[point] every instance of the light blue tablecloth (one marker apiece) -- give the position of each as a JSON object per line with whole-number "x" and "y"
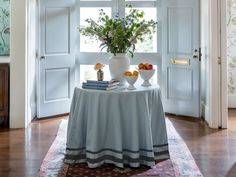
{"x": 118, "y": 127}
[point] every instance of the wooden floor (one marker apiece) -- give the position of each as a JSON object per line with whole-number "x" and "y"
{"x": 22, "y": 151}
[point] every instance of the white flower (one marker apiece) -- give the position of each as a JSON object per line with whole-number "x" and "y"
{"x": 102, "y": 39}
{"x": 110, "y": 34}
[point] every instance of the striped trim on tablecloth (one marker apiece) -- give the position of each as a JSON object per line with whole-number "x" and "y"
{"x": 116, "y": 157}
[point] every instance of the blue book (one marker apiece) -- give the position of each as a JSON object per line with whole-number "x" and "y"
{"x": 102, "y": 82}
{"x": 98, "y": 88}
{"x": 94, "y": 85}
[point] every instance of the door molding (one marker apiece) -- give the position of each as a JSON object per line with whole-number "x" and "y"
{"x": 217, "y": 77}
{"x": 224, "y": 64}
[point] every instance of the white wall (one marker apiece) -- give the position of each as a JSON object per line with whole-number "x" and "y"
{"x": 22, "y": 63}
{"x": 231, "y": 53}
{"x": 18, "y": 62}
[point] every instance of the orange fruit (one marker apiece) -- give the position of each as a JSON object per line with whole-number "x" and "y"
{"x": 140, "y": 66}
{"x": 128, "y": 73}
{"x": 135, "y": 73}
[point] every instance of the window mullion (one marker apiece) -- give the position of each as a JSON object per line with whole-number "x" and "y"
{"x": 121, "y": 8}
{"x": 118, "y": 8}
{"x": 142, "y": 3}
{"x": 114, "y": 8}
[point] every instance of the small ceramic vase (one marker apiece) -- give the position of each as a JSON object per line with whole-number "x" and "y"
{"x": 100, "y": 75}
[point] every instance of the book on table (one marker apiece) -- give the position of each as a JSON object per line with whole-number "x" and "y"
{"x": 100, "y": 85}
{"x": 99, "y": 88}
{"x": 102, "y": 82}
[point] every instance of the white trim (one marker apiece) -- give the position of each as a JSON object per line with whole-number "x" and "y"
{"x": 18, "y": 64}
{"x": 31, "y": 62}
{"x": 218, "y": 113}
{"x": 95, "y": 3}
{"x": 213, "y": 77}
{"x": 224, "y": 68}
{"x": 205, "y": 111}
{"x": 4, "y": 59}
{"x": 142, "y": 3}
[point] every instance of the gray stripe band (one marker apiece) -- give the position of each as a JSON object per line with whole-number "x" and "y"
{"x": 109, "y": 157}
{"x": 107, "y": 149}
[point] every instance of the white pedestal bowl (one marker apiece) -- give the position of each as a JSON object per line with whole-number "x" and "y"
{"x": 146, "y": 75}
{"x": 131, "y": 81}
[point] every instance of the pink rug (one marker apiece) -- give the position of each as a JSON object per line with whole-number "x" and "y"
{"x": 180, "y": 164}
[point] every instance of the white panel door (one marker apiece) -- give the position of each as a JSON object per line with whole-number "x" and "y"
{"x": 56, "y": 73}
{"x": 181, "y": 88}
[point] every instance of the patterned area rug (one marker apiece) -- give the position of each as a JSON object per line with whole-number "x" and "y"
{"x": 181, "y": 163}
{"x": 163, "y": 169}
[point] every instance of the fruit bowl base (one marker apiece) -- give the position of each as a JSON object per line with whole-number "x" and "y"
{"x": 131, "y": 87}
{"x": 146, "y": 83}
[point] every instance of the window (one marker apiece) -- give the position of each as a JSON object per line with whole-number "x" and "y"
{"x": 87, "y": 44}
{"x": 87, "y": 73}
{"x": 89, "y": 52}
{"x": 149, "y": 45}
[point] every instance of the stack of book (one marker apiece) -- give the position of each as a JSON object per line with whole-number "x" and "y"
{"x": 100, "y": 85}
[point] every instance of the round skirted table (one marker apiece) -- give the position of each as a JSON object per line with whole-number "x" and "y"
{"x": 121, "y": 127}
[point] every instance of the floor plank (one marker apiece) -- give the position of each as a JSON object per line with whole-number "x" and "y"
{"x": 22, "y": 151}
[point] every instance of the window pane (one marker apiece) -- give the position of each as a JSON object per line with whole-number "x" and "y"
{"x": 95, "y": 0}
{"x": 148, "y": 45}
{"x": 86, "y": 43}
{"x": 140, "y": 0}
{"x": 88, "y": 73}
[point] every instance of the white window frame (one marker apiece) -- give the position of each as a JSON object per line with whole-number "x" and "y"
{"x": 118, "y": 6}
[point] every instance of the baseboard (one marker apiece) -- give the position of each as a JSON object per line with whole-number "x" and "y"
{"x": 33, "y": 110}
{"x": 205, "y": 112}
{"x": 232, "y": 101}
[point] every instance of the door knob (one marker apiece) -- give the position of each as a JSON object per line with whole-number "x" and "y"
{"x": 42, "y": 58}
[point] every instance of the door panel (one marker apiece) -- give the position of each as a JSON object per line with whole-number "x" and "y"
{"x": 57, "y": 57}
{"x": 175, "y": 88}
{"x": 180, "y": 30}
{"x": 57, "y": 91}
{"x": 180, "y": 70}
{"x": 55, "y": 33}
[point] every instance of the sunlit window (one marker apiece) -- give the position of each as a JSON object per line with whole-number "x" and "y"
{"x": 148, "y": 45}
{"x": 140, "y": 0}
{"x": 86, "y": 43}
{"x": 87, "y": 72}
{"x": 96, "y": 0}
{"x": 89, "y": 51}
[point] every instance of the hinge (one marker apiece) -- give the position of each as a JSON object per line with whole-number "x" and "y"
{"x": 200, "y": 54}
{"x": 36, "y": 53}
{"x": 219, "y": 61}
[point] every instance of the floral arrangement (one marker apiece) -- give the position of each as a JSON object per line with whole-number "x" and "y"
{"x": 119, "y": 35}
